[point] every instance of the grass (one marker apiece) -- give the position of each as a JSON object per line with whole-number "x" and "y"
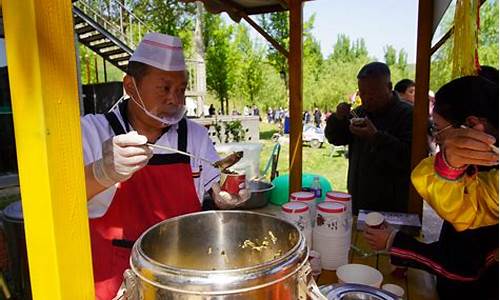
{"x": 316, "y": 161}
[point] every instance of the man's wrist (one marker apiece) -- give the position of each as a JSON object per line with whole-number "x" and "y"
{"x": 100, "y": 174}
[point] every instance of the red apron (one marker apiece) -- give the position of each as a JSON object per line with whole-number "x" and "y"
{"x": 163, "y": 189}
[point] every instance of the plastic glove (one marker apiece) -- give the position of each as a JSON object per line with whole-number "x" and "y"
{"x": 224, "y": 200}
{"x": 122, "y": 156}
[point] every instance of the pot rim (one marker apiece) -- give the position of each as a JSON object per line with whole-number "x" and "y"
{"x": 201, "y": 272}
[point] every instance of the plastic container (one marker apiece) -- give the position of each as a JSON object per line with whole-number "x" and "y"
{"x": 250, "y": 161}
{"x": 345, "y": 199}
{"x": 298, "y": 213}
{"x": 316, "y": 188}
{"x": 280, "y": 193}
{"x": 309, "y": 199}
{"x": 331, "y": 235}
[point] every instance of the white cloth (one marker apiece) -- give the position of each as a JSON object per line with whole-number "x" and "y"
{"x": 161, "y": 51}
{"x": 96, "y": 130}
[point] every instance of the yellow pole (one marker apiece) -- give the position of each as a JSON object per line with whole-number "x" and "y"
{"x": 42, "y": 72}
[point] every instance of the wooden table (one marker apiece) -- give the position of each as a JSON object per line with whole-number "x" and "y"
{"x": 418, "y": 284}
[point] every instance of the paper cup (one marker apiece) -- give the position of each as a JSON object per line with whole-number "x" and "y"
{"x": 233, "y": 183}
{"x": 374, "y": 219}
{"x": 361, "y": 274}
{"x": 395, "y": 289}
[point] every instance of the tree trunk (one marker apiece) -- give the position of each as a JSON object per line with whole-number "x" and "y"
{"x": 221, "y": 105}
{"x": 227, "y": 105}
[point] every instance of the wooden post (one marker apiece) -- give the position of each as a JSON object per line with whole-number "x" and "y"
{"x": 43, "y": 84}
{"x": 295, "y": 70}
{"x": 421, "y": 108}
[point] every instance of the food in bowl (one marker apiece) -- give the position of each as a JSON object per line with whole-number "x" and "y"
{"x": 360, "y": 274}
{"x": 358, "y": 122}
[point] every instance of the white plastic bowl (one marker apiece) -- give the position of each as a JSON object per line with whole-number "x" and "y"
{"x": 361, "y": 274}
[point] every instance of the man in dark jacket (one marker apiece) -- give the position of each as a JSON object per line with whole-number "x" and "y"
{"x": 379, "y": 139}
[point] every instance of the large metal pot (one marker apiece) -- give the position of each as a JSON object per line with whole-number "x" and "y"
{"x": 202, "y": 256}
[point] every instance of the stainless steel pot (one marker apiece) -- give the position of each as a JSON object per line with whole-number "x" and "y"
{"x": 203, "y": 256}
{"x": 261, "y": 194}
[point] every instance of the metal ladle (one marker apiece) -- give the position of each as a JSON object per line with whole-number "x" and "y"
{"x": 222, "y": 164}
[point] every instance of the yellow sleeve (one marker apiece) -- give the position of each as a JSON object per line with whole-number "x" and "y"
{"x": 468, "y": 202}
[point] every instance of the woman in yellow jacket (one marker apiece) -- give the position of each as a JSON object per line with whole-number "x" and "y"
{"x": 461, "y": 184}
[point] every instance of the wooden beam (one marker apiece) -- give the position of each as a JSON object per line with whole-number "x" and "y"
{"x": 269, "y": 38}
{"x": 295, "y": 70}
{"x": 265, "y": 9}
{"x": 421, "y": 107}
{"x": 443, "y": 40}
{"x": 42, "y": 73}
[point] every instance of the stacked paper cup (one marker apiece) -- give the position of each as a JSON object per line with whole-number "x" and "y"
{"x": 307, "y": 198}
{"x": 298, "y": 213}
{"x": 345, "y": 199}
{"x": 331, "y": 236}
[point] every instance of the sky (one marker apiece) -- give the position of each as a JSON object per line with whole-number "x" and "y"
{"x": 379, "y": 22}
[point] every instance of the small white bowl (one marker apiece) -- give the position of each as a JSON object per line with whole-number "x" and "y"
{"x": 361, "y": 274}
{"x": 395, "y": 289}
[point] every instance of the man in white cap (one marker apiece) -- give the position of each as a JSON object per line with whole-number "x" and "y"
{"x": 131, "y": 187}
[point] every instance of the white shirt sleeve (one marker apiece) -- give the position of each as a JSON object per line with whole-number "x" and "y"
{"x": 96, "y": 130}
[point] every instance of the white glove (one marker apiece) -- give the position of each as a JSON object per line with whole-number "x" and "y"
{"x": 122, "y": 156}
{"x": 227, "y": 201}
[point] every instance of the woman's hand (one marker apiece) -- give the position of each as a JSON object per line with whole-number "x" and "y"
{"x": 468, "y": 146}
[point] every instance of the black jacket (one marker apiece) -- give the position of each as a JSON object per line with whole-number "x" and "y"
{"x": 379, "y": 170}
{"x": 465, "y": 262}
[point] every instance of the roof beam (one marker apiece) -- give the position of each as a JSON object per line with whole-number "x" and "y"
{"x": 268, "y": 37}
{"x": 234, "y": 7}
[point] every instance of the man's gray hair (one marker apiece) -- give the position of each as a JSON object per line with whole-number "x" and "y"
{"x": 374, "y": 70}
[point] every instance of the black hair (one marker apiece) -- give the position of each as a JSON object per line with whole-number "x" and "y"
{"x": 403, "y": 85}
{"x": 468, "y": 96}
{"x": 137, "y": 70}
{"x": 490, "y": 73}
{"x": 373, "y": 70}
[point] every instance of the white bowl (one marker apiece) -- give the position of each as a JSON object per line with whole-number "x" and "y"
{"x": 361, "y": 274}
{"x": 394, "y": 288}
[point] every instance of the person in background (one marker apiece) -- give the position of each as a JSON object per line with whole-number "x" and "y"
{"x": 211, "y": 110}
{"x": 317, "y": 117}
{"x": 406, "y": 90}
{"x": 461, "y": 184}
{"x": 379, "y": 140}
{"x": 307, "y": 117}
{"x": 131, "y": 186}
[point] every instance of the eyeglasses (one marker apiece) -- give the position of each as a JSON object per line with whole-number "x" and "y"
{"x": 436, "y": 131}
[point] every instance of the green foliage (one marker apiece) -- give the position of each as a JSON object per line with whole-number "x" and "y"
{"x": 249, "y": 57}
{"x": 390, "y": 55}
{"x": 167, "y": 16}
{"x": 487, "y": 49}
{"x": 219, "y": 58}
{"x": 233, "y": 131}
{"x": 277, "y": 25}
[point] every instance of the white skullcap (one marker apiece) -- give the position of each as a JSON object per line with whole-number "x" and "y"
{"x": 160, "y": 51}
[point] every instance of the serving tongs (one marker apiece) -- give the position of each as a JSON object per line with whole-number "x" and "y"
{"x": 221, "y": 164}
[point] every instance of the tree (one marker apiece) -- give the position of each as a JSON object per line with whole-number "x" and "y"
{"x": 487, "y": 48}
{"x": 220, "y": 75}
{"x": 167, "y": 16}
{"x": 390, "y": 55}
{"x": 277, "y": 25}
{"x": 249, "y": 67}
